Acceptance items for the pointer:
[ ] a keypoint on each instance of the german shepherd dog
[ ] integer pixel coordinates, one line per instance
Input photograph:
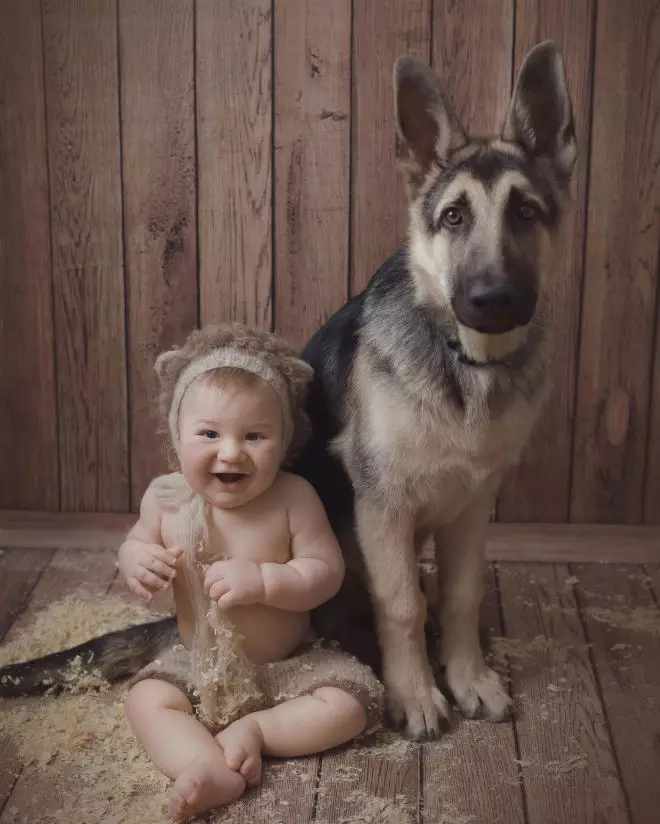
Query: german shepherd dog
(427, 386)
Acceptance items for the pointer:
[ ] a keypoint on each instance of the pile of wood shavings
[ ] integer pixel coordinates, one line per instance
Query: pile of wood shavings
(515, 649)
(86, 740)
(73, 620)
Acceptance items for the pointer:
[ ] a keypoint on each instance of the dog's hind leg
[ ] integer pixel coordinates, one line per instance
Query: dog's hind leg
(400, 608)
(477, 689)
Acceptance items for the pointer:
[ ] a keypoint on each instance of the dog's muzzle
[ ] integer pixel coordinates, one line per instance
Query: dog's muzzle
(493, 307)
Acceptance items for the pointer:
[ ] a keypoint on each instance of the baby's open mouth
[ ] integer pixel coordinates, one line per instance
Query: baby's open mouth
(229, 477)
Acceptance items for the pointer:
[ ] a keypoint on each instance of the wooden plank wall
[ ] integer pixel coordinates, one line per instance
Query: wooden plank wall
(165, 163)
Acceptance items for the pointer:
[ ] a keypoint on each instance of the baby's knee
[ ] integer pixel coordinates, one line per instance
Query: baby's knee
(151, 694)
(344, 705)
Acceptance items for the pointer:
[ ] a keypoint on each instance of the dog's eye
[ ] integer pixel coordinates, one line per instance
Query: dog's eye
(452, 217)
(527, 211)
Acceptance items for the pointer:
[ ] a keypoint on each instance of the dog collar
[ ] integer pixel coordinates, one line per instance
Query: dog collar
(465, 359)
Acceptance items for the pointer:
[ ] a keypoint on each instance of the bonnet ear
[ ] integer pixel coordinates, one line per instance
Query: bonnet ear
(163, 361)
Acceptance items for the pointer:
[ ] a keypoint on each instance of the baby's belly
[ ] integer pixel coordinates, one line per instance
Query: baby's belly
(268, 634)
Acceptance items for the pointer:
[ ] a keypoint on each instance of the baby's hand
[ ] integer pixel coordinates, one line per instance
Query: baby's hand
(147, 568)
(234, 582)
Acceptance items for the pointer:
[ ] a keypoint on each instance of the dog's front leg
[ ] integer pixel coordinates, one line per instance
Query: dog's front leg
(477, 689)
(400, 608)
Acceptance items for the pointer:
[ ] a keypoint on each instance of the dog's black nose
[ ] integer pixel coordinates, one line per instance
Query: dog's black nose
(493, 306)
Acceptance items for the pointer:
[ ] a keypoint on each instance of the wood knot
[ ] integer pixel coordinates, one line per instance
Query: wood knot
(617, 416)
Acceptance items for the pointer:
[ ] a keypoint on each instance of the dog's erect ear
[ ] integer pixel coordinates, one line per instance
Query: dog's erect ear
(540, 117)
(426, 128)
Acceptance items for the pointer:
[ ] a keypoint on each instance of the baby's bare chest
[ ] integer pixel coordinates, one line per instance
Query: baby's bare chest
(261, 536)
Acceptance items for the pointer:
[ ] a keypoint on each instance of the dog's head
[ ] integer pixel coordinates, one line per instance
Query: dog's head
(486, 213)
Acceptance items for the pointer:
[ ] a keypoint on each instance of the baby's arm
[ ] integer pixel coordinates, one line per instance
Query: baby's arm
(144, 563)
(316, 569)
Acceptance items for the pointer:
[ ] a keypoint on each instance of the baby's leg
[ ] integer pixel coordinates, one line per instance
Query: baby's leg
(312, 723)
(181, 747)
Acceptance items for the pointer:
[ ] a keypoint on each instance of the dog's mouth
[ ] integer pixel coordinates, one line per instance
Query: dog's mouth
(230, 478)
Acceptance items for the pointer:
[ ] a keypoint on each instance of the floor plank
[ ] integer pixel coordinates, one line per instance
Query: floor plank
(69, 571)
(458, 784)
(569, 770)
(20, 569)
(622, 622)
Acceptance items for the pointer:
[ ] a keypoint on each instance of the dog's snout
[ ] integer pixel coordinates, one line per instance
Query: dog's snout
(494, 305)
(490, 297)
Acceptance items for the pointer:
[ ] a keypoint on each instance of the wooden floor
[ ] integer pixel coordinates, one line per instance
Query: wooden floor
(580, 644)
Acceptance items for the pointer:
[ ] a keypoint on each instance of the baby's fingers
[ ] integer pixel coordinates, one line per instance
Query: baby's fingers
(150, 580)
(218, 589)
(160, 568)
(137, 589)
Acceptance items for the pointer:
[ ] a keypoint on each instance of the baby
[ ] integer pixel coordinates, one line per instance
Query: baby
(248, 551)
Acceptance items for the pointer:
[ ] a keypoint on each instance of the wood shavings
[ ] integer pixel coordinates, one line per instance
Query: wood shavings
(640, 619)
(517, 650)
(73, 620)
(374, 809)
(385, 744)
(86, 739)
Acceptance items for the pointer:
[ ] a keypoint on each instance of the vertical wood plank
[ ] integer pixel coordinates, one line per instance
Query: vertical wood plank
(539, 489)
(652, 479)
(234, 138)
(621, 256)
(28, 414)
(83, 140)
(461, 772)
(567, 762)
(381, 32)
(472, 54)
(623, 625)
(158, 142)
(312, 117)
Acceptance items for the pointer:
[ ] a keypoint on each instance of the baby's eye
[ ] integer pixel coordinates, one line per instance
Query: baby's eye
(209, 434)
(253, 436)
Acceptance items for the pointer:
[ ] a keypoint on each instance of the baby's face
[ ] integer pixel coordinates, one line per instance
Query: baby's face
(230, 441)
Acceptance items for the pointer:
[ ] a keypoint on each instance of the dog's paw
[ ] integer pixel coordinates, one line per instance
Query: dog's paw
(479, 693)
(423, 717)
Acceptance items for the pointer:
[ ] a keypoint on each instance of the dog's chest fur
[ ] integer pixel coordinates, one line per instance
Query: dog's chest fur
(411, 440)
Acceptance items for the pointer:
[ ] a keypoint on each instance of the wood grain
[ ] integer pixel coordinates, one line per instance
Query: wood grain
(80, 40)
(28, 414)
(472, 54)
(627, 660)
(379, 215)
(234, 139)
(621, 257)
(312, 118)
(458, 783)
(158, 149)
(539, 489)
(568, 766)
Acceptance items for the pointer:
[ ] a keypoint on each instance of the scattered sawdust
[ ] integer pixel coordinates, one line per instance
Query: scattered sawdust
(86, 740)
(515, 650)
(374, 809)
(640, 619)
(385, 744)
(572, 581)
(73, 620)
(557, 769)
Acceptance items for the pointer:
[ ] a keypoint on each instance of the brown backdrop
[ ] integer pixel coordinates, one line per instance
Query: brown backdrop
(170, 162)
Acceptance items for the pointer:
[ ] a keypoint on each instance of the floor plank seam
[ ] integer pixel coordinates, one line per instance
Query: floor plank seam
(599, 690)
(514, 727)
(652, 589)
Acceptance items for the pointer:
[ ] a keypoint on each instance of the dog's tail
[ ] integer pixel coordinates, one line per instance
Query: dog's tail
(112, 656)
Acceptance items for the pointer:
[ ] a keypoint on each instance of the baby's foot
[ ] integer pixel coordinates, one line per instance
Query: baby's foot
(204, 785)
(242, 742)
